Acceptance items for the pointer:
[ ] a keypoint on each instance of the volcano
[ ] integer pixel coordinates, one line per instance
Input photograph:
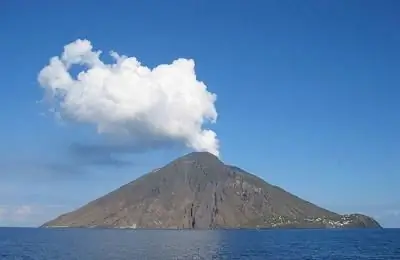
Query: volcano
(199, 191)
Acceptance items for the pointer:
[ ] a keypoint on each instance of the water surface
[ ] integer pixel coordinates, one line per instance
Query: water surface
(98, 244)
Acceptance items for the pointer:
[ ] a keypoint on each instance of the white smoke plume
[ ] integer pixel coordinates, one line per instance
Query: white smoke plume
(125, 97)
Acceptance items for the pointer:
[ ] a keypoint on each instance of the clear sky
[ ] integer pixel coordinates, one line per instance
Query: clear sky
(307, 97)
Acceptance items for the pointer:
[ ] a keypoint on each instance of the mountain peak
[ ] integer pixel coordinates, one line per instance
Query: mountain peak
(200, 156)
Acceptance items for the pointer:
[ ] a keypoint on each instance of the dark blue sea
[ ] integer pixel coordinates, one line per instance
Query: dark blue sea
(98, 244)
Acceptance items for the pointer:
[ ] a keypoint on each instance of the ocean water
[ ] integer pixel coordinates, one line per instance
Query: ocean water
(98, 244)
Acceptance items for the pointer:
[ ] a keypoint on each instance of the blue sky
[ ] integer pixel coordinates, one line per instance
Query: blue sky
(307, 98)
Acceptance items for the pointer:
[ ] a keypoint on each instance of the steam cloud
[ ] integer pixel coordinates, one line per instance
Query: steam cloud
(127, 98)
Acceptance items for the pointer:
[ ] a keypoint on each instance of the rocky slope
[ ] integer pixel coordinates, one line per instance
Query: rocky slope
(198, 191)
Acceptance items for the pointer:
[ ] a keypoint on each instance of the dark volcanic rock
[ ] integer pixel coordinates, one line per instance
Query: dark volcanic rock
(198, 191)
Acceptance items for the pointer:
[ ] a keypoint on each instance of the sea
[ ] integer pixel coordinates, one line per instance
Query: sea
(98, 244)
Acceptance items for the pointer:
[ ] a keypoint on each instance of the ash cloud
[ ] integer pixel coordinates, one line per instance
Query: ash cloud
(130, 100)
